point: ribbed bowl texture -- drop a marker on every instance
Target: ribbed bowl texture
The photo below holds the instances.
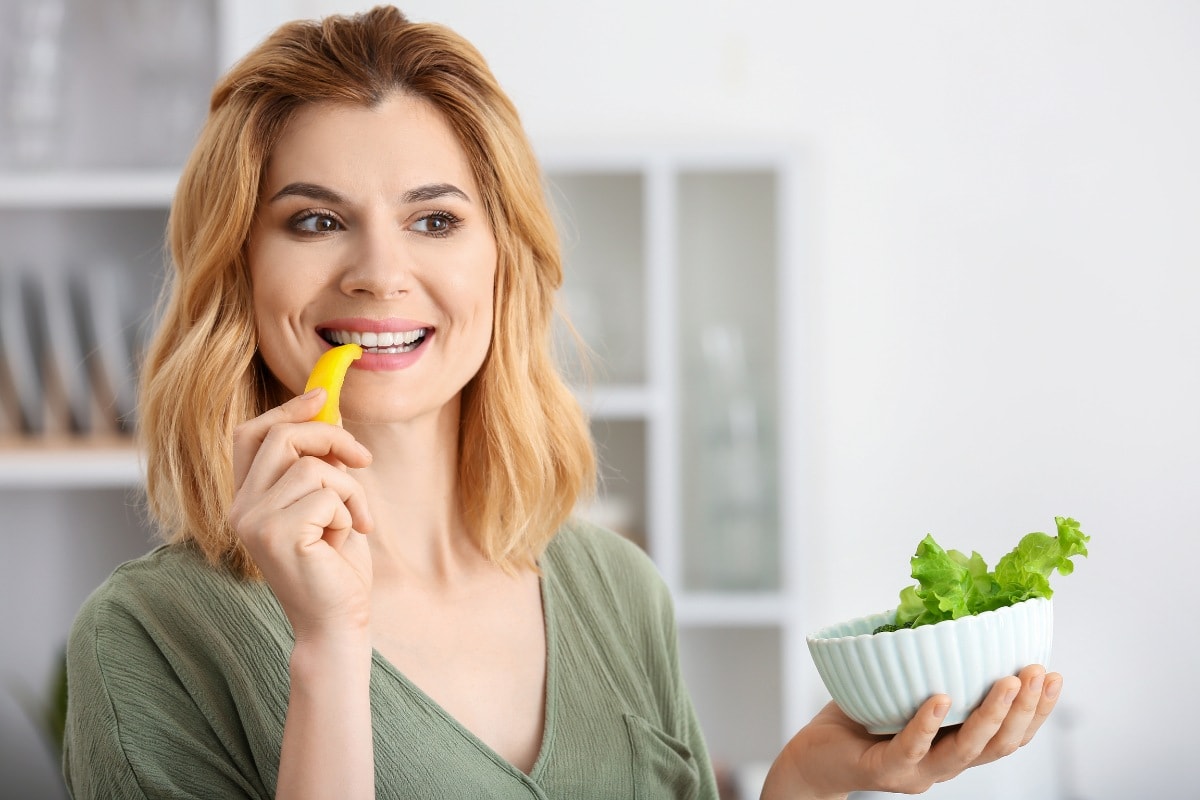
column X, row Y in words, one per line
column 881, row 679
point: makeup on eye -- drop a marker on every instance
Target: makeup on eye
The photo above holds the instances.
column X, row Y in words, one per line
column 315, row 221
column 437, row 224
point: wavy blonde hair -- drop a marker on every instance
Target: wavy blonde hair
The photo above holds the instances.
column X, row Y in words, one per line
column 525, row 451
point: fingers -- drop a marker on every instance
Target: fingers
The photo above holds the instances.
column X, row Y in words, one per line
column 1013, row 711
column 325, row 516
column 1033, row 696
column 291, row 433
column 1051, row 689
column 1032, row 706
column 965, row 746
column 1011, row 734
column 255, row 514
column 281, row 457
column 1009, row 717
column 913, row 742
column 337, row 489
column 906, row 765
column 992, row 724
column 925, row 752
column 249, row 436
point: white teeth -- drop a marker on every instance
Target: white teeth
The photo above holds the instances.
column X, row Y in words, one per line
column 386, row 342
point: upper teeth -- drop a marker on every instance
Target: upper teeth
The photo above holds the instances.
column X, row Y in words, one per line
column 371, row 339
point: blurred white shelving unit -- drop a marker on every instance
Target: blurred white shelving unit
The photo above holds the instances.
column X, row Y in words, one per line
column 680, row 265
column 71, row 508
column 110, row 189
column 679, row 268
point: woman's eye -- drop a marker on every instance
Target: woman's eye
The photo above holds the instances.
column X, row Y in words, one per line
column 316, row 222
column 437, row 224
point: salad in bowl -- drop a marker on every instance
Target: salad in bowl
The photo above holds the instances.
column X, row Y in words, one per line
column 957, row 631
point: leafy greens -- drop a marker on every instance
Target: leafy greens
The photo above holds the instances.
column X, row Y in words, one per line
column 951, row 585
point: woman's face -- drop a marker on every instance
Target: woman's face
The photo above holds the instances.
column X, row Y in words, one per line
column 371, row 229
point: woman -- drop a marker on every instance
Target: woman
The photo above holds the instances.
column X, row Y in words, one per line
column 400, row 608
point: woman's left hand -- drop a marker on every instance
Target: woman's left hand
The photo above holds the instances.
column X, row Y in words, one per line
column 834, row 755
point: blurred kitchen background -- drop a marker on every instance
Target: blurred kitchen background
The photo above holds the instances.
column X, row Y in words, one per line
column 855, row 272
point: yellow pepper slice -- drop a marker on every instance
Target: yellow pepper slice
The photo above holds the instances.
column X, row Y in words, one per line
column 329, row 373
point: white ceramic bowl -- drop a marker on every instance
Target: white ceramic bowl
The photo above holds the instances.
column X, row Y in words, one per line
column 881, row 679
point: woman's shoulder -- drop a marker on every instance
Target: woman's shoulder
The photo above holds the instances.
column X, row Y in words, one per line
column 175, row 668
column 160, row 574
column 604, row 549
column 594, row 559
column 171, row 588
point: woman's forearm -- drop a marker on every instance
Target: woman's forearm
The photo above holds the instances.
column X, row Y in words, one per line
column 328, row 750
column 783, row 783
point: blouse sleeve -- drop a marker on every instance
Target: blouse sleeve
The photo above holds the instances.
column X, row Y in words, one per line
column 133, row 730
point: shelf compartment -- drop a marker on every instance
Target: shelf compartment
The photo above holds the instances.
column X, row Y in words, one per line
column 620, row 500
column 735, row 677
column 600, row 221
column 728, row 378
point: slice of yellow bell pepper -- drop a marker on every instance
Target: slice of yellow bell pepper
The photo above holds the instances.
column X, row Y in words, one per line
column 329, row 373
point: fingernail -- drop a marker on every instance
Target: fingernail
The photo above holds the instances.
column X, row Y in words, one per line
column 1036, row 685
column 1052, row 689
column 311, row 393
column 1010, row 696
column 941, row 710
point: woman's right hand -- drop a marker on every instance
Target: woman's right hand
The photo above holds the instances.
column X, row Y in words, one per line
column 300, row 514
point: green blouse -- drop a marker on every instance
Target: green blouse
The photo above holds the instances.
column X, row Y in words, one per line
column 178, row 677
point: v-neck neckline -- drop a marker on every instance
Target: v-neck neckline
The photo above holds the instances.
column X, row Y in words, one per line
column 550, row 700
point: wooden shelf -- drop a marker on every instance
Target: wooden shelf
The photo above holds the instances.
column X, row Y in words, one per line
column 106, row 463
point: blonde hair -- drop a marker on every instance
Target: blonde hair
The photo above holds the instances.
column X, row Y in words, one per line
column 525, row 451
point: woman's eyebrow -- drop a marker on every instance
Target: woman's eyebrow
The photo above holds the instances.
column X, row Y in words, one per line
column 433, row 191
column 323, row 194
column 312, row 191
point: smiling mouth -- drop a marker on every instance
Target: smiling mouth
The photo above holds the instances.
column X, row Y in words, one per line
column 385, row 343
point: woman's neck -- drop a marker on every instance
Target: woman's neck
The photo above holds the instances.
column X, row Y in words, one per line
column 412, row 493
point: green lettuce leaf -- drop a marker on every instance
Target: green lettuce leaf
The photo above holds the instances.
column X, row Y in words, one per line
column 952, row 585
column 1025, row 571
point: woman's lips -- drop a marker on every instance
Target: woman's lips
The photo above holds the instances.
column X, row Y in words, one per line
column 387, row 344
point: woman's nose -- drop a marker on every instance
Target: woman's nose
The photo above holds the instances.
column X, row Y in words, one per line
column 376, row 265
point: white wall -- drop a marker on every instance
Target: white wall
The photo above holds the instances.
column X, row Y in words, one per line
column 1001, row 295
